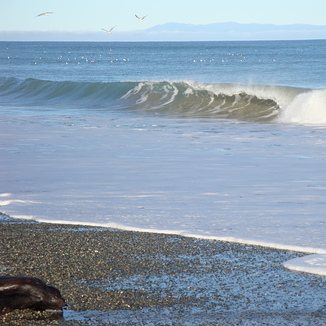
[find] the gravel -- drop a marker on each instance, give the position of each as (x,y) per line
(114,277)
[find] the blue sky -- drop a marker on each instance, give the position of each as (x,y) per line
(92,15)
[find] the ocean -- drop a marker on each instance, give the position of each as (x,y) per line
(215,140)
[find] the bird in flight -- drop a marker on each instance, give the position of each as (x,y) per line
(108,31)
(45,14)
(141,19)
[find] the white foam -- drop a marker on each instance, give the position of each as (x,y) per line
(184,233)
(5,195)
(12,201)
(174,92)
(133,91)
(306,108)
(315,264)
(25,217)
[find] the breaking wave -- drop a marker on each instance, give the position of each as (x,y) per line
(176,99)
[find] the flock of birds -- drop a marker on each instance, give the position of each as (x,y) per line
(108,31)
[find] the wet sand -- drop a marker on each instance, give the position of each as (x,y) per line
(112,277)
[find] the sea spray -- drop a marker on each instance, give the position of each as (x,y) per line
(306,108)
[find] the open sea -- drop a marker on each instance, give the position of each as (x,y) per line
(216,140)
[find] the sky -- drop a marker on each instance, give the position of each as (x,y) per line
(90,16)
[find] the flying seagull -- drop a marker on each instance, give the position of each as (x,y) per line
(45,13)
(108,31)
(141,19)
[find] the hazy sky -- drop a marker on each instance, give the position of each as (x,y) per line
(92,15)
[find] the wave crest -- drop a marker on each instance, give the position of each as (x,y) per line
(195,101)
(306,108)
(176,99)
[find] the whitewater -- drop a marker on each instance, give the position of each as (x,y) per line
(214,140)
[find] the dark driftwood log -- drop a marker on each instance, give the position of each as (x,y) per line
(28,293)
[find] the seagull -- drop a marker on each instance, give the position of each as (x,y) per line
(108,31)
(45,13)
(141,19)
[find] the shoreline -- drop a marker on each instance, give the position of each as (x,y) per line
(307,250)
(116,277)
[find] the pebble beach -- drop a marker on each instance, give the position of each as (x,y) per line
(113,277)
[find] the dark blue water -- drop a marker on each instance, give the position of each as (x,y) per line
(286,63)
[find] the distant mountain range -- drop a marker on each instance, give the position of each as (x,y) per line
(228,31)
(231,31)
(233,27)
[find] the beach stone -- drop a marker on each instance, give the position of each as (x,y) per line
(28,293)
